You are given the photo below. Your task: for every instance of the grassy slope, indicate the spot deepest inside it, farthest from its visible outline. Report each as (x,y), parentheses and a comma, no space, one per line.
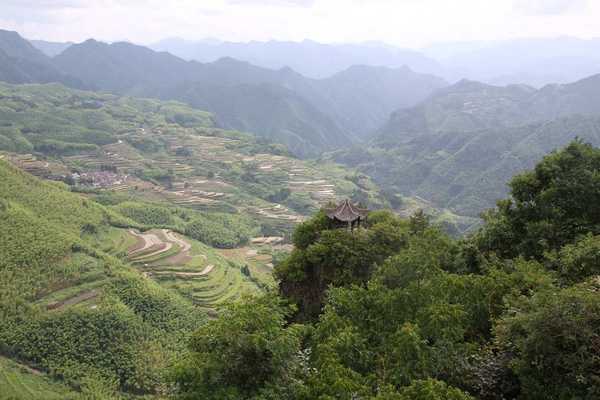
(19,382)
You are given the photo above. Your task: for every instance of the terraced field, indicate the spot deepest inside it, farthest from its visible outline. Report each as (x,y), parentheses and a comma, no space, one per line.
(211,172)
(207,277)
(188,267)
(129,153)
(20,382)
(84,290)
(31,164)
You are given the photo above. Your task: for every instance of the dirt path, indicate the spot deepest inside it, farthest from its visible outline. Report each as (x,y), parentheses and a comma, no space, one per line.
(207,270)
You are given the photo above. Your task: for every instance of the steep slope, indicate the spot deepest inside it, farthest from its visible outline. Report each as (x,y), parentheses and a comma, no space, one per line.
(459,147)
(10,71)
(17,47)
(20,62)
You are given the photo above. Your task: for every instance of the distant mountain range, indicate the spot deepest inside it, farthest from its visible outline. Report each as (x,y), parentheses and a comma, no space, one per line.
(459,147)
(309,58)
(535,62)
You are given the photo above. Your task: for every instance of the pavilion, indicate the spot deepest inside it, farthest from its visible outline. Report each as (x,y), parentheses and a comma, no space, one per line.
(348,214)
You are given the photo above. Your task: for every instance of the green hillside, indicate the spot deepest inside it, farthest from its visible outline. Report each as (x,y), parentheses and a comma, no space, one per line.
(168,153)
(398,310)
(458,149)
(148,222)
(87,299)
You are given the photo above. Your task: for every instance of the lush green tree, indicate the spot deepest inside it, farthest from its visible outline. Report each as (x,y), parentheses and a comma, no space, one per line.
(249,352)
(549,207)
(327,256)
(414,320)
(555,339)
(577,261)
(308,232)
(429,389)
(419,221)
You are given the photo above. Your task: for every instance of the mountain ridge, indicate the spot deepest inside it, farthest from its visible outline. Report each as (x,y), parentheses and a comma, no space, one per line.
(130,69)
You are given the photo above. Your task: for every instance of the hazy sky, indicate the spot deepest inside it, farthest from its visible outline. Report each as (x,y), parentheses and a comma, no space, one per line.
(409,23)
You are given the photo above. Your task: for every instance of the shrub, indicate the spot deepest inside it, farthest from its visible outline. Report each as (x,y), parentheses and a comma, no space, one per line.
(147,214)
(220,230)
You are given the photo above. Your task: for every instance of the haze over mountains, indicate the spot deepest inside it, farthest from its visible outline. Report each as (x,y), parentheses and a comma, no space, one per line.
(535,62)
(312,59)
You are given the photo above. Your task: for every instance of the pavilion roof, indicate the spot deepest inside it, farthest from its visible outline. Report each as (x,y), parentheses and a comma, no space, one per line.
(346,212)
